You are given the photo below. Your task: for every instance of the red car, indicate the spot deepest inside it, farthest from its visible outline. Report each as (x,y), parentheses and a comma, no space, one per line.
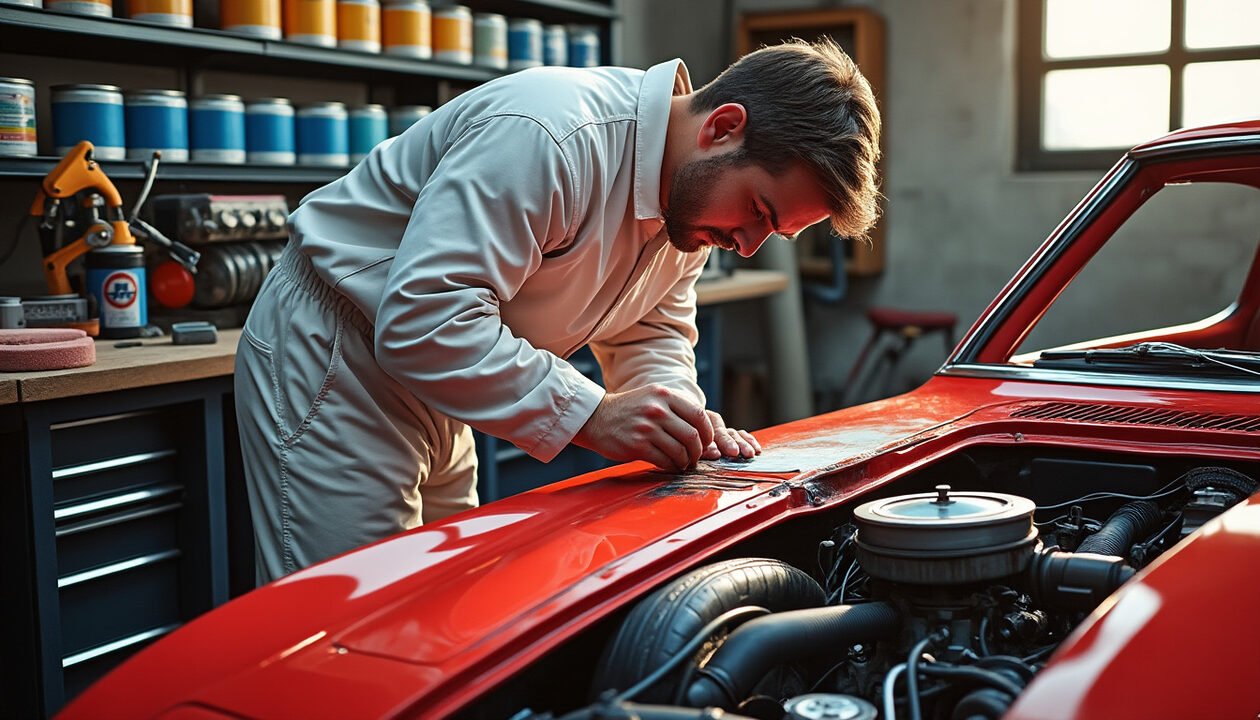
(1062,533)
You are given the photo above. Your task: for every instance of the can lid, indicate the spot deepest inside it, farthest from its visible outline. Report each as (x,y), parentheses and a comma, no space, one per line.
(331,104)
(420,109)
(271,101)
(452,10)
(409,3)
(219,96)
(162,93)
(371,107)
(118,249)
(490,17)
(526,22)
(16,81)
(86,86)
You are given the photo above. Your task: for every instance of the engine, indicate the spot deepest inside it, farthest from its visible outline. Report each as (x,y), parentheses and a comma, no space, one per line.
(942,604)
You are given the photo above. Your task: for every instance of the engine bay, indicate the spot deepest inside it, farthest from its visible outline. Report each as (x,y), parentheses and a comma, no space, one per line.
(942,595)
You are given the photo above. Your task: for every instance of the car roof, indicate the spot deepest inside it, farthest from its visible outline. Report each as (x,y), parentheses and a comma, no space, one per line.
(1240,128)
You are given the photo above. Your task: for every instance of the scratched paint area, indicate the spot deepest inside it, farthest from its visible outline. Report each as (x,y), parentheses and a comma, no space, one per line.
(803,454)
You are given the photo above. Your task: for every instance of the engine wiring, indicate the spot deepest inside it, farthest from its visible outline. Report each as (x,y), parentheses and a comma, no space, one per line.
(1171,488)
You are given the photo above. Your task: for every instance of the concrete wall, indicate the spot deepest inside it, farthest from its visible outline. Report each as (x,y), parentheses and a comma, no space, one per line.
(959,220)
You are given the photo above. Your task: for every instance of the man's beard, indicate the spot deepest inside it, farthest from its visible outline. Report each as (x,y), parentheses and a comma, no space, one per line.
(689,193)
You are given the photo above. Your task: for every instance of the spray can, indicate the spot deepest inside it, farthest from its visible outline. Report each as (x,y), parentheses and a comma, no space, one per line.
(115,277)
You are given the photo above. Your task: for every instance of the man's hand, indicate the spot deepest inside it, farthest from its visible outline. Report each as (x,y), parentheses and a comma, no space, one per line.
(728,442)
(652,423)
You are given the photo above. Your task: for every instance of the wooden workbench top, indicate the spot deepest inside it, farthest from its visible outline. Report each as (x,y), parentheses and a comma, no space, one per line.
(157,361)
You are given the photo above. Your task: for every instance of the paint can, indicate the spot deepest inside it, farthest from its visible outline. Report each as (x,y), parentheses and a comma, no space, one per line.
(359,25)
(255,18)
(369,126)
(157,120)
(176,13)
(100,8)
(555,45)
(311,22)
(407,26)
(218,129)
(404,116)
(525,43)
(17,118)
(27,3)
(323,134)
(89,112)
(490,40)
(583,46)
(269,132)
(453,34)
(115,277)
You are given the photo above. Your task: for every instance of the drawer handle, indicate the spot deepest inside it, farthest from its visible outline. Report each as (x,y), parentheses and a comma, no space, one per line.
(115,501)
(111,464)
(107,648)
(118,519)
(115,568)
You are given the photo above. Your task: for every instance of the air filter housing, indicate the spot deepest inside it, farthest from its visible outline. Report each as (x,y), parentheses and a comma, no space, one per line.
(945,537)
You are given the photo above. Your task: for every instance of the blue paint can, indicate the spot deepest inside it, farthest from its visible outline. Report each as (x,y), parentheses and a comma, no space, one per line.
(402,117)
(115,277)
(555,45)
(525,43)
(89,112)
(218,129)
(323,135)
(369,126)
(270,132)
(583,46)
(157,120)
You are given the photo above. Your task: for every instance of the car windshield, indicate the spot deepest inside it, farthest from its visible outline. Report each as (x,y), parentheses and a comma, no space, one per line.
(1163,294)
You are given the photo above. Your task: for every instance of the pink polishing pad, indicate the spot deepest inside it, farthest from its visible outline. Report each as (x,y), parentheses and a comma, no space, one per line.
(45,349)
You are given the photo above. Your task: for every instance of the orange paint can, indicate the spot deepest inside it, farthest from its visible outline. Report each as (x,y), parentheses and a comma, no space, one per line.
(359,25)
(453,34)
(176,13)
(407,28)
(311,22)
(255,18)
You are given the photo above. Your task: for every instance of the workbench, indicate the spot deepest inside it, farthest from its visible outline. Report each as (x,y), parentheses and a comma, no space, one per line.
(122,504)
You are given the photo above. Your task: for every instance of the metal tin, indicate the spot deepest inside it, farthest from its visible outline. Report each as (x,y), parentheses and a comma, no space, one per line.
(100,8)
(369,125)
(407,26)
(404,116)
(270,132)
(218,129)
(255,18)
(27,3)
(311,22)
(453,34)
(583,46)
(89,112)
(176,13)
(525,43)
(490,40)
(323,134)
(115,277)
(157,120)
(359,25)
(555,45)
(17,117)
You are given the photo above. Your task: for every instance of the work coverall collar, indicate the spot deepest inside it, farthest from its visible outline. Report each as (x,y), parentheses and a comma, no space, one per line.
(661,83)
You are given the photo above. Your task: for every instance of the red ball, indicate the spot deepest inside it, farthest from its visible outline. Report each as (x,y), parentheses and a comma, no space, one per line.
(172,285)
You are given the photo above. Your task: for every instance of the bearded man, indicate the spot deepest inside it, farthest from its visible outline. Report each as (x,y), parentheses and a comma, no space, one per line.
(440,285)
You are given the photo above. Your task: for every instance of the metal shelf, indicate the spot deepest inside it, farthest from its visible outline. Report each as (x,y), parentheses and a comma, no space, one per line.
(41,32)
(38,167)
(574,8)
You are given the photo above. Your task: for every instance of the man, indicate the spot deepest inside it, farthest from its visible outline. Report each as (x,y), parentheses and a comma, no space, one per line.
(442,282)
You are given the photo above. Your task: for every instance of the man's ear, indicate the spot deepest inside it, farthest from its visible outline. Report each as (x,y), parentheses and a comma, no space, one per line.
(723,127)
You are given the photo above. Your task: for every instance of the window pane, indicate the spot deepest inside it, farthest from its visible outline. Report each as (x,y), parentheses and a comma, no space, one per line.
(1222,23)
(1090,28)
(1221,91)
(1115,107)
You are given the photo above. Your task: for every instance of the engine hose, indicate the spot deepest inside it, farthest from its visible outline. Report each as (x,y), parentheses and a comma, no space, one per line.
(761,644)
(614,710)
(1132,521)
(1221,479)
(983,704)
(991,678)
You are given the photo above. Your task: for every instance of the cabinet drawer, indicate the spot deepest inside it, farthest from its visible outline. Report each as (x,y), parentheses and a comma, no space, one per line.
(111,602)
(147,527)
(99,438)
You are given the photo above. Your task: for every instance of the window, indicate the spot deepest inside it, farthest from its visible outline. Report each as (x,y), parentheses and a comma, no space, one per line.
(1098,77)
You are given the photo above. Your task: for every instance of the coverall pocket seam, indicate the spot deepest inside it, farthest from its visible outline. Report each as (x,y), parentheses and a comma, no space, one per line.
(325,387)
(259,345)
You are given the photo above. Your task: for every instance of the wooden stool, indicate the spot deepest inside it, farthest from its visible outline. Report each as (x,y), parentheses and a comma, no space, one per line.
(908,325)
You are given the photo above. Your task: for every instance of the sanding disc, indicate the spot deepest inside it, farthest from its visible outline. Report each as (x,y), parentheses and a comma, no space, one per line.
(34,349)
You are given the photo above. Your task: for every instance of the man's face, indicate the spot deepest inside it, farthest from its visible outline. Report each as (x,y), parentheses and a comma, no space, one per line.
(732,204)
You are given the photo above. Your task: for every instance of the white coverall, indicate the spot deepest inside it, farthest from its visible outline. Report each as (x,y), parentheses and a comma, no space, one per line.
(440,284)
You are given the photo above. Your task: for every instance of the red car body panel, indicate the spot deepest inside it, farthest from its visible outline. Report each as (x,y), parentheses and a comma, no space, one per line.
(422,623)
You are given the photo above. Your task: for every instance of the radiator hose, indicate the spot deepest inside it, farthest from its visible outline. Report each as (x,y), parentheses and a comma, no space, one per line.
(759,645)
(1125,526)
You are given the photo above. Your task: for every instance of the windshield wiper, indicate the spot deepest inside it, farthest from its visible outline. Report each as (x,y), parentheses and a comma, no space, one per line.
(1156,356)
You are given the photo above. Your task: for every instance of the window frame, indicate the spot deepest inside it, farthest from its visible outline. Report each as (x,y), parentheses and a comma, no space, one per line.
(1033,65)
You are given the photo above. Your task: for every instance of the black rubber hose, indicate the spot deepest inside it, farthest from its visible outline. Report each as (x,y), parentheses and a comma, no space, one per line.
(636,711)
(983,704)
(1124,527)
(991,678)
(761,644)
(1221,479)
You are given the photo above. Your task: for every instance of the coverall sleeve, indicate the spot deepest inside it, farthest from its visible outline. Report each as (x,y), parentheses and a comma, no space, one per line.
(502,195)
(660,348)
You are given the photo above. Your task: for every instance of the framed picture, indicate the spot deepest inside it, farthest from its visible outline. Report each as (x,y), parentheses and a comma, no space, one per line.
(861,33)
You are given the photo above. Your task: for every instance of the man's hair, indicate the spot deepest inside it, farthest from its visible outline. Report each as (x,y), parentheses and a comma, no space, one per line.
(808,102)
